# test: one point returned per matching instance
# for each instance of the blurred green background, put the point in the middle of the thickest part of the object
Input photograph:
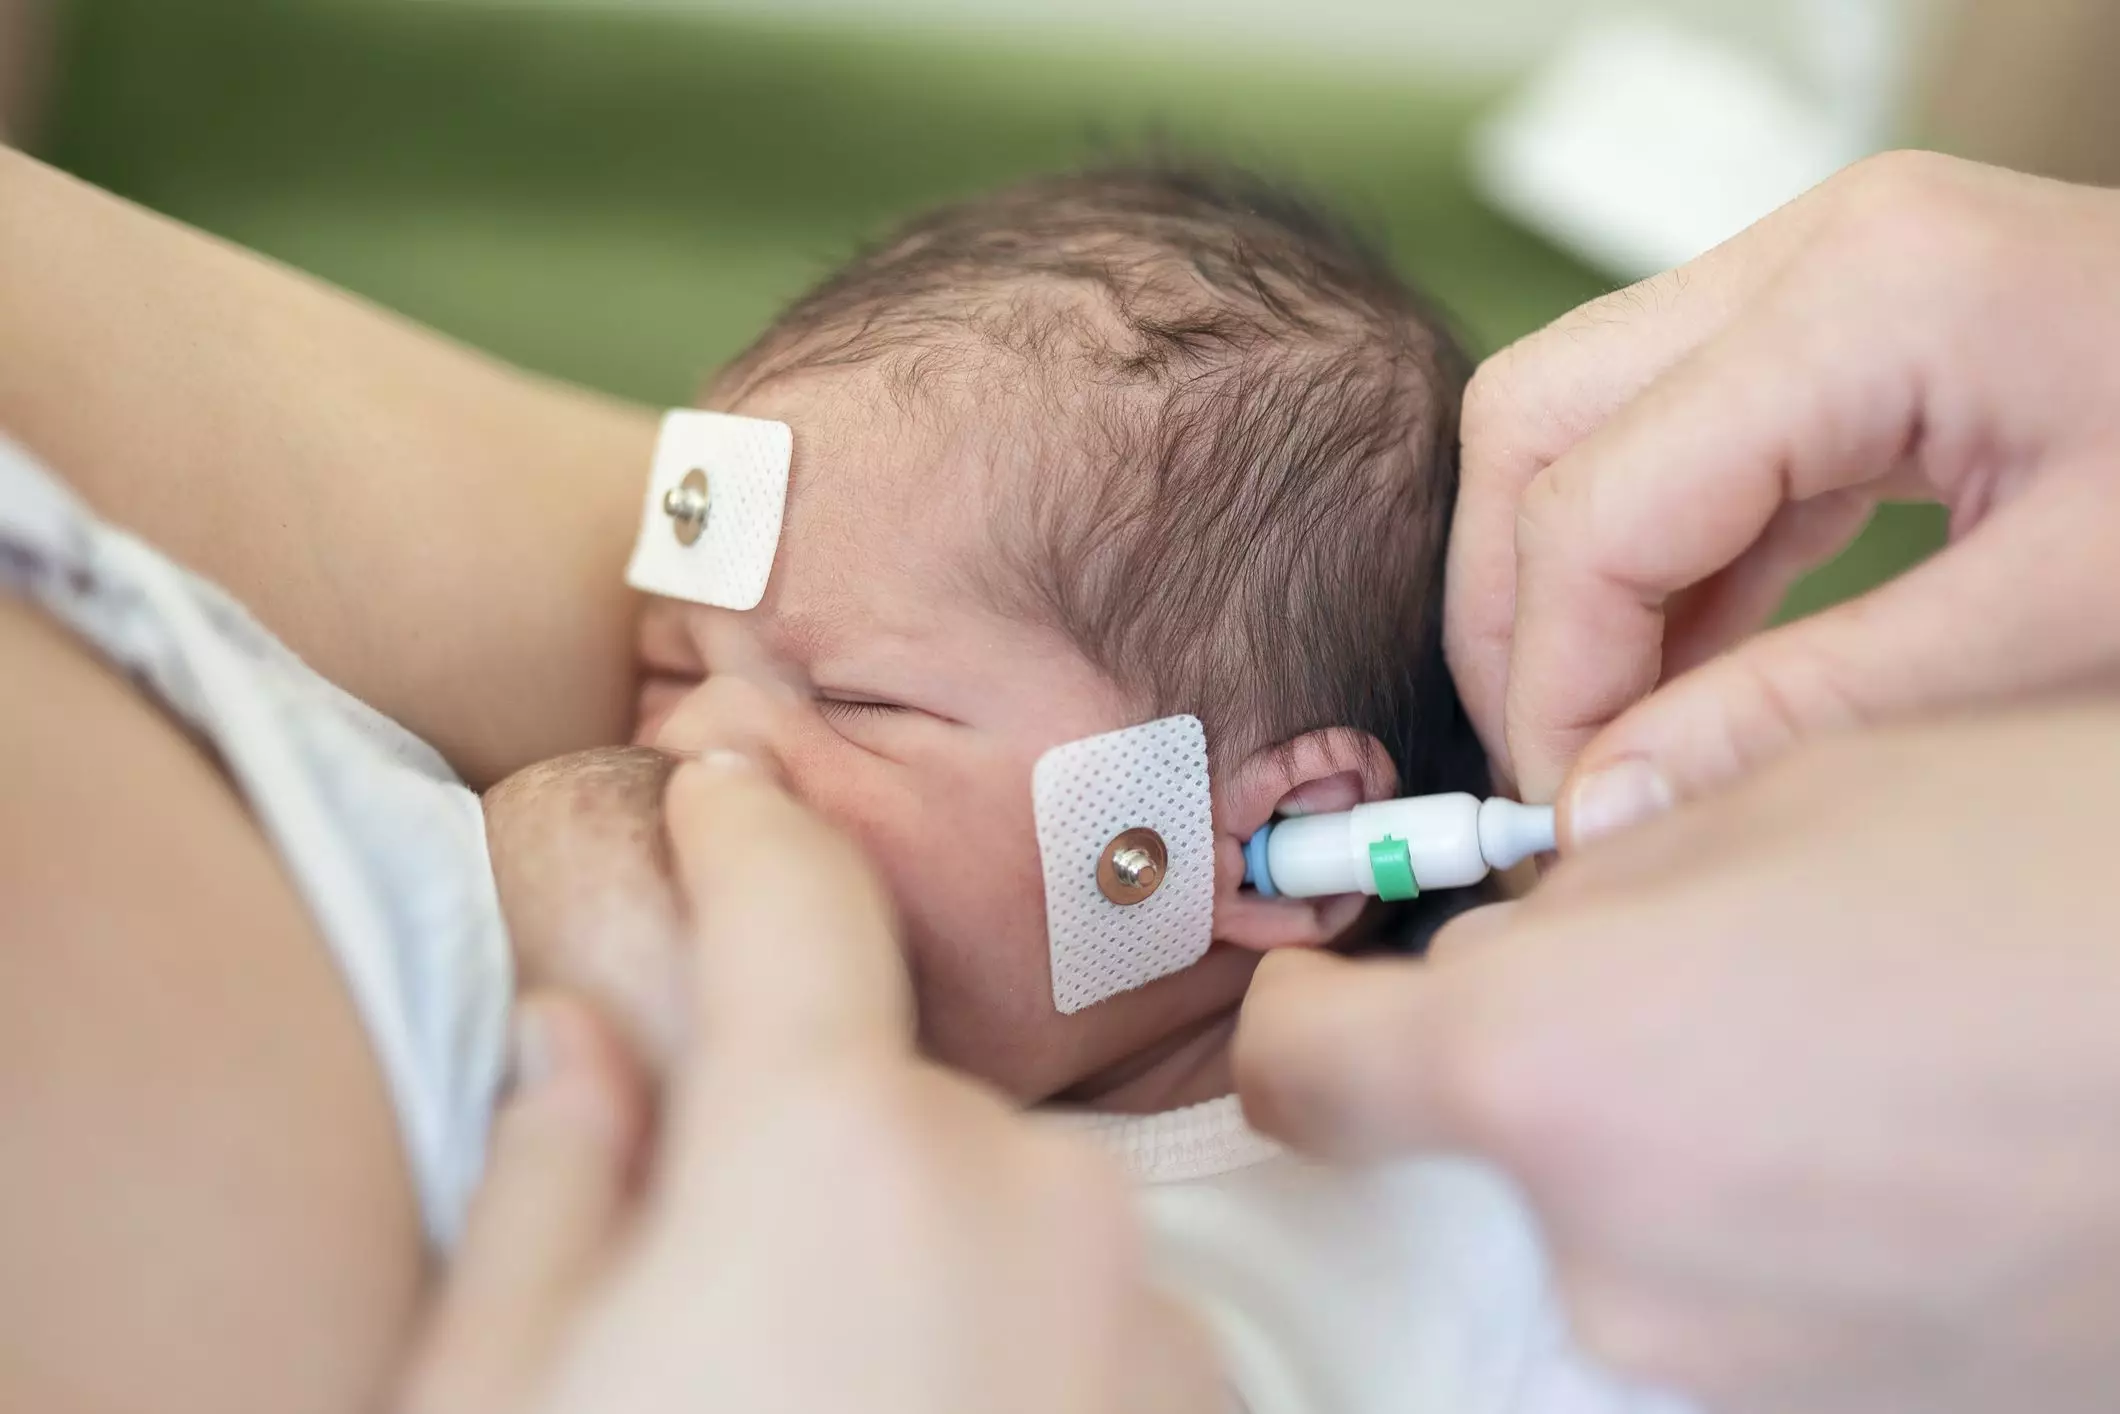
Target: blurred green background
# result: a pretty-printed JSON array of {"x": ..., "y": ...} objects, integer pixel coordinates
[{"x": 624, "y": 198}]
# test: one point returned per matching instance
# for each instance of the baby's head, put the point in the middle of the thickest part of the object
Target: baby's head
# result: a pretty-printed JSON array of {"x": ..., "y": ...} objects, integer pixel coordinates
[{"x": 1090, "y": 451}]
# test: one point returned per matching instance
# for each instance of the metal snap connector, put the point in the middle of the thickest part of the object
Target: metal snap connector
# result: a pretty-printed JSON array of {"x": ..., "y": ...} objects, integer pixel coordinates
[
  {"x": 686, "y": 506},
  {"x": 1132, "y": 866}
]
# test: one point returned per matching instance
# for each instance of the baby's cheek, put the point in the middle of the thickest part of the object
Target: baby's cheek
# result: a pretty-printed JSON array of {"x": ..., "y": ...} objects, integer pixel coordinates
[
  {"x": 971, "y": 880},
  {"x": 956, "y": 848},
  {"x": 950, "y": 849},
  {"x": 869, "y": 799}
]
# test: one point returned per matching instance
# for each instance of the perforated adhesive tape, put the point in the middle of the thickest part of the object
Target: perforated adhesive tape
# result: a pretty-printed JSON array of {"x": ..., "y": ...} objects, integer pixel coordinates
[
  {"x": 745, "y": 463},
  {"x": 1086, "y": 793}
]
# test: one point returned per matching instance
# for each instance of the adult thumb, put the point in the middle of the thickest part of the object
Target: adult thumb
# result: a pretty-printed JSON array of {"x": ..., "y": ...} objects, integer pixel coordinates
[
  {"x": 1998, "y": 616},
  {"x": 563, "y": 1151},
  {"x": 1352, "y": 1059}
]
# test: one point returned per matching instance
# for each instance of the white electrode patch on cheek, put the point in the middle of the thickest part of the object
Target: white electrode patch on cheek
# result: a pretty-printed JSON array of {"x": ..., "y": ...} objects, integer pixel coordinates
[
  {"x": 1126, "y": 834},
  {"x": 717, "y": 494}
]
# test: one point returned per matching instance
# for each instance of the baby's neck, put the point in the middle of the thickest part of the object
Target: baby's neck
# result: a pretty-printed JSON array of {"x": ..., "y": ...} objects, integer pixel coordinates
[{"x": 1185, "y": 1068}]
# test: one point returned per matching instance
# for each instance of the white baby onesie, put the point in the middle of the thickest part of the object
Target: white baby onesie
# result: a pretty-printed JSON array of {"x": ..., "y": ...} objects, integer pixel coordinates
[{"x": 1415, "y": 1287}]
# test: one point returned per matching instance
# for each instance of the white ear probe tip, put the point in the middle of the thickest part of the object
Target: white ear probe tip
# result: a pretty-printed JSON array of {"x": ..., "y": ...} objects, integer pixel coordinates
[
  {"x": 1396, "y": 848},
  {"x": 1511, "y": 833}
]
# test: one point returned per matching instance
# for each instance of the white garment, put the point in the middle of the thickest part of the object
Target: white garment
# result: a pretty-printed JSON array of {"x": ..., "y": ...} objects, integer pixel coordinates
[
  {"x": 384, "y": 843},
  {"x": 1414, "y": 1287}
]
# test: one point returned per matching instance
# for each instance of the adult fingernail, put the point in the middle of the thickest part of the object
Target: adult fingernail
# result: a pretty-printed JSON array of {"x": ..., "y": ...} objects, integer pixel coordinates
[
  {"x": 532, "y": 1056},
  {"x": 1615, "y": 798},
  {"x": 726, "y": 762}
]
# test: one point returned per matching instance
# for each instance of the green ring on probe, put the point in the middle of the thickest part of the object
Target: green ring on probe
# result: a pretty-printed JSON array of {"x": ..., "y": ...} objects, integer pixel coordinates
[{"x": 1391, "y": 865}]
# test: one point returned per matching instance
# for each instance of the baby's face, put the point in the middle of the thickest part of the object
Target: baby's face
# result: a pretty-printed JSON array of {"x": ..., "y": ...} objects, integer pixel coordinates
[{"x": 910, "y": 713}]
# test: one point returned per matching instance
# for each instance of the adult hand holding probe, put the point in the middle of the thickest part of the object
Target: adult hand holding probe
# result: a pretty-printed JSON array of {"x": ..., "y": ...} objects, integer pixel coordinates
[
  {"x": 1643, "y": 482},
  {"x": 1814, "y": 1080}
]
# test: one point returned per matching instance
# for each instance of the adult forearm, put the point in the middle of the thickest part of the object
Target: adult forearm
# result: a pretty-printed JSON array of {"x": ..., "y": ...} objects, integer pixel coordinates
[{"x": 439, "y": 533}]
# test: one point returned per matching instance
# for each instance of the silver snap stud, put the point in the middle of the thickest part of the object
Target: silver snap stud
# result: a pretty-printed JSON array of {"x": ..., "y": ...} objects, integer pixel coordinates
[
  {"x": 686, "y": 506},
  {"x": 1132, "y": 866}
]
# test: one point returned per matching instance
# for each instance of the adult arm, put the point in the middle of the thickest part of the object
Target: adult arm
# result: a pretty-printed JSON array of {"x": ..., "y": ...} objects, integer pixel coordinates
[
  {"x": 1643, "y": 481},
  {"x": 1814, "y": 1084},
  {"x": 442, "y": 535}
]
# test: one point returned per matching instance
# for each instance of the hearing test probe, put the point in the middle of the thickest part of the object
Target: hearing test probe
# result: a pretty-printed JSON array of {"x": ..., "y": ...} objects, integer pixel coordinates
[{"x": 1395, "y": 848}]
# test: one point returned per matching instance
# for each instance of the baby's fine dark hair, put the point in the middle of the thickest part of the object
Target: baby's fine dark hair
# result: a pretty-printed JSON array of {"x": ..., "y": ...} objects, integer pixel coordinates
[{"x": 1230, "y": 452}]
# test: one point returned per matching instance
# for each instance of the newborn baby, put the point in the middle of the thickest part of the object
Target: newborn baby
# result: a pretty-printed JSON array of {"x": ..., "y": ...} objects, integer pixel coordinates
[
  {"x": 1086, "y": 453},
  {"x": 1090, "y": 452}
]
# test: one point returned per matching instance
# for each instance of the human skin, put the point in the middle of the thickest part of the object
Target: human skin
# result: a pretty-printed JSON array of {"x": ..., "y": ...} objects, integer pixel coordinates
[
  {"x": 907, "y": 703},
  {"x": 1812, "y": 1079},
  {"x": 443, "y": 536},
  {"x": 203, "y": 1201},
  {"x": 439, "y": 534},
  {"x": 189, "y": 1085},
  {"x": 1814, "y": 1084},
  {"x": 1643, "y": 481},
  {"x": 829, "y": 1221},
  {"x": 817, "y": 1180}
]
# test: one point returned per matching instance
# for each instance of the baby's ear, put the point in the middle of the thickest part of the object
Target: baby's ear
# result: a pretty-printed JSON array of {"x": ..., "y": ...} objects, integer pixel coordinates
[{"x": 1337, "y": 768}]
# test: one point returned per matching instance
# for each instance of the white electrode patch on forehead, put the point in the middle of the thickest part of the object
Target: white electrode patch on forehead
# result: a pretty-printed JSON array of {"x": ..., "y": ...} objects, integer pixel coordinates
[
  {"x": 716, "y": 497},
  {"x": 1125, "y": 816}
]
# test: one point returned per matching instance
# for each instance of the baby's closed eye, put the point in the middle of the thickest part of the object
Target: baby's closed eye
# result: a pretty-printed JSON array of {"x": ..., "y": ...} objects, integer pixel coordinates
[
  {"x": 869, "y": 724},
  {"x": 877, "y": 725},
  {"x": 844, "y": 708}
]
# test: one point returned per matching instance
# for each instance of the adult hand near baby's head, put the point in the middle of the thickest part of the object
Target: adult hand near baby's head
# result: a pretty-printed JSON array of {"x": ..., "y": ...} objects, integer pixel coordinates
[
  {"x": 1643, "y": 481},
  {"x": 830, "y": 1222},
  {"x": 1815, "y": 1085}
]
